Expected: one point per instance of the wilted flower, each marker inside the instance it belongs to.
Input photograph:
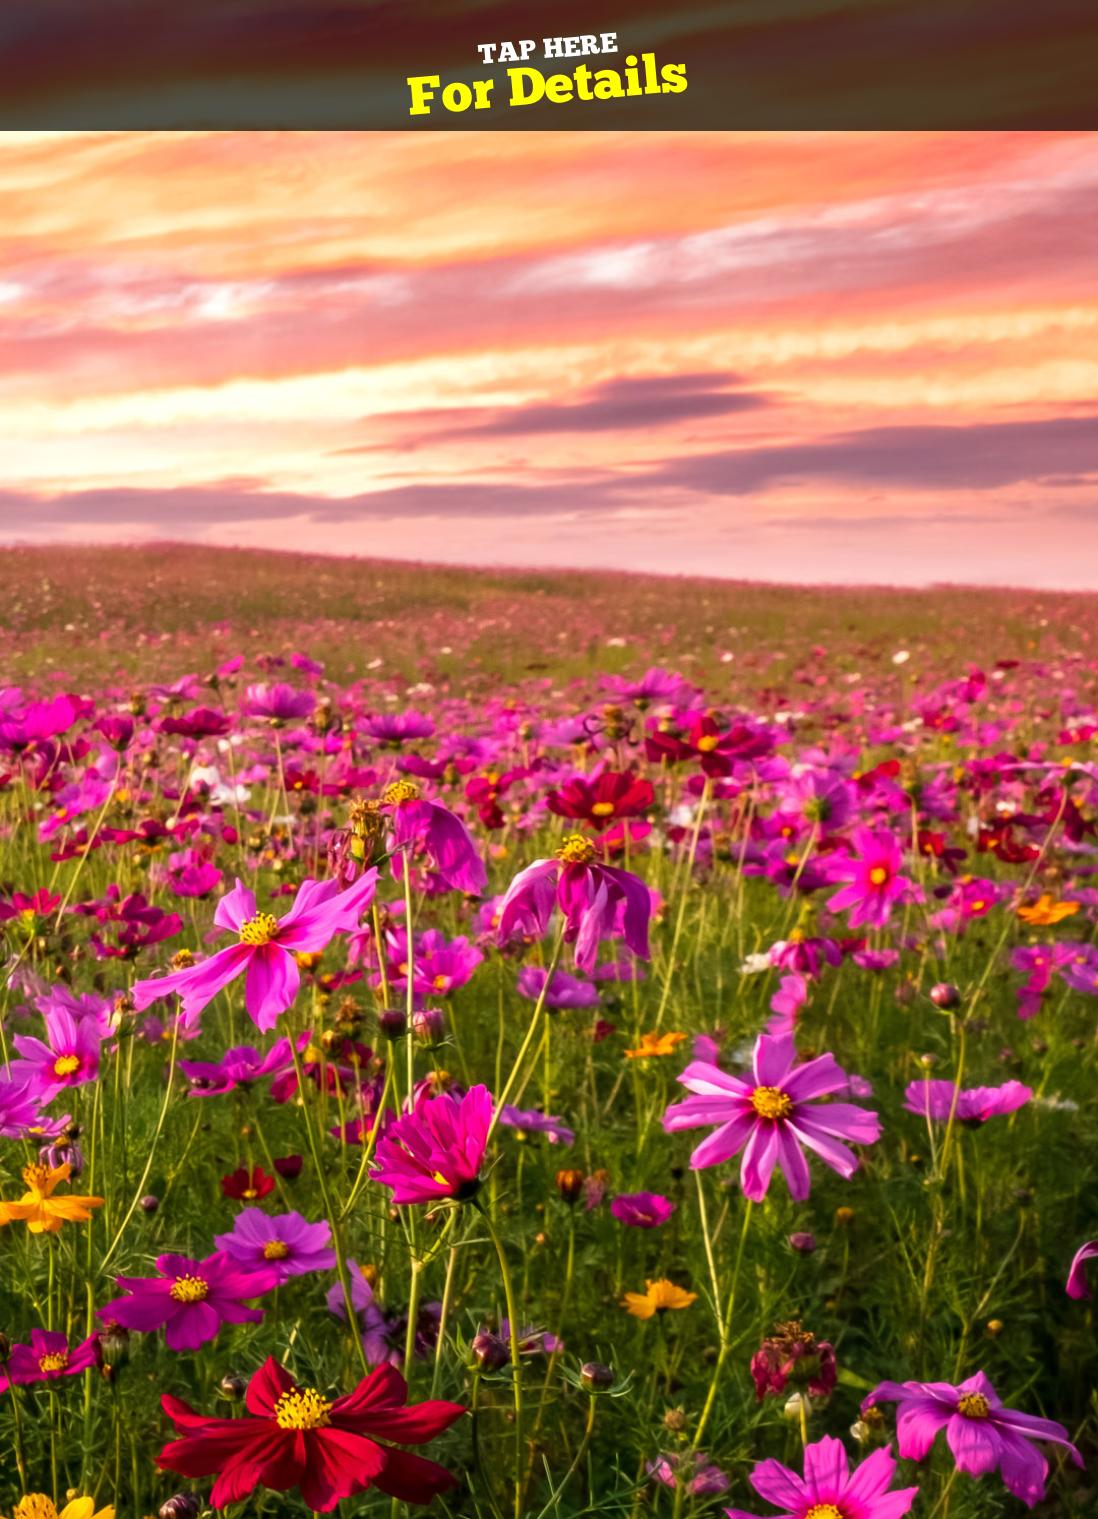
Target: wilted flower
(793, 1354)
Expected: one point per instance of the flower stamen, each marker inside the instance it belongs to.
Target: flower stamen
(259, 930)
(303, 1408)
(771, 1102)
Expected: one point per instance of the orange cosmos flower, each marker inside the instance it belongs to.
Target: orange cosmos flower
(655, 1044)
(657, 1297)
(1046, 911)
(39, 1209)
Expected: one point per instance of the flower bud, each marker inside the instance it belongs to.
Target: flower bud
(489, 1351)
(994, 1328)
(570, 1185)
(860, 1432)
(945, 995)
(804, 1244)
(844, 1217)
(429, 1025)
(793, 1405)
(596, 1377)
(232, 1387)
(114, 1345)
(392, 1022)
(150, 1203)
(181, 1506)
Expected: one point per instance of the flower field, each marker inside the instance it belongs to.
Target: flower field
(542, 1045)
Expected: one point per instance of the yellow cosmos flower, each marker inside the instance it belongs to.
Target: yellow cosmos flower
(38, 1506)
(655, 1044)
(657, 1297)
(1046, 911)
(43, 1213)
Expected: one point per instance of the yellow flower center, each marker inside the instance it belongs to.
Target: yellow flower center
(974, 1406)
(708, 742)
(34, 1506)
(66, 1065)
(400, 791)
(55, 1362)
(878, 875)
(190, 1289)
(602, 809)
(303, 1408)
(440, 983)
(275, 1250)
(824, 1511)
(36, 1178)
(249, 1194)
(771, 1102)
(259, 930)
(576, 850)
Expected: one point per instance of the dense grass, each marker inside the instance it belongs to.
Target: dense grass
(943, 1255)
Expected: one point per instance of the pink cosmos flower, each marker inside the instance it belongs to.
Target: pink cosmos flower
(68, 1058)
(436, 830)
(266, 950)
(286, 1244)
(588, 894)
(191, 1299)
(47, 1358)
(18, 1109)
(872, 872)
(278, 703)
(980, 1432)
(436, 1150)
(934, 1099)
(770, 1114)
(642, 1210)
(829, 1488)
(1076, 1282)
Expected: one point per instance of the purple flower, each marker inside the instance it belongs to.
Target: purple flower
(191, 1299)
(771, 1115)
(980, 1432)
(395, 727)
(697, 1474)
(239, 1067)
(47, 1358)
(934, 1099)
(530, 1121)
(266, 950)
(829, 1488)
(286, 1244)
(69, 1058)
(642, 1210)
(1076, 1282)
(436, 1150)
(875, 884)
(565, 991)
(279, 703)
(18, 1109)
(588, 894)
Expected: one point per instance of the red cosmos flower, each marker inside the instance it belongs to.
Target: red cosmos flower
(716, 752)
(247, 1185)
(601, 800)
(297, 1438)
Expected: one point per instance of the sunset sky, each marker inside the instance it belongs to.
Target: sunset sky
(776, 356)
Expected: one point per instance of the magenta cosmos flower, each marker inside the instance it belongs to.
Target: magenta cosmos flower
(588, 894)
(980, 1432)
(440, 833)
(874, 883)
(934, 1099)
(1076, 1282)
(68, 1058)
(828, 1489)
(190, 1299)
(770, 1114)
(436, 1150)
(279, 703)
(642, 1210)
(266, 950)
(47, 1358)
(286, 1244)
